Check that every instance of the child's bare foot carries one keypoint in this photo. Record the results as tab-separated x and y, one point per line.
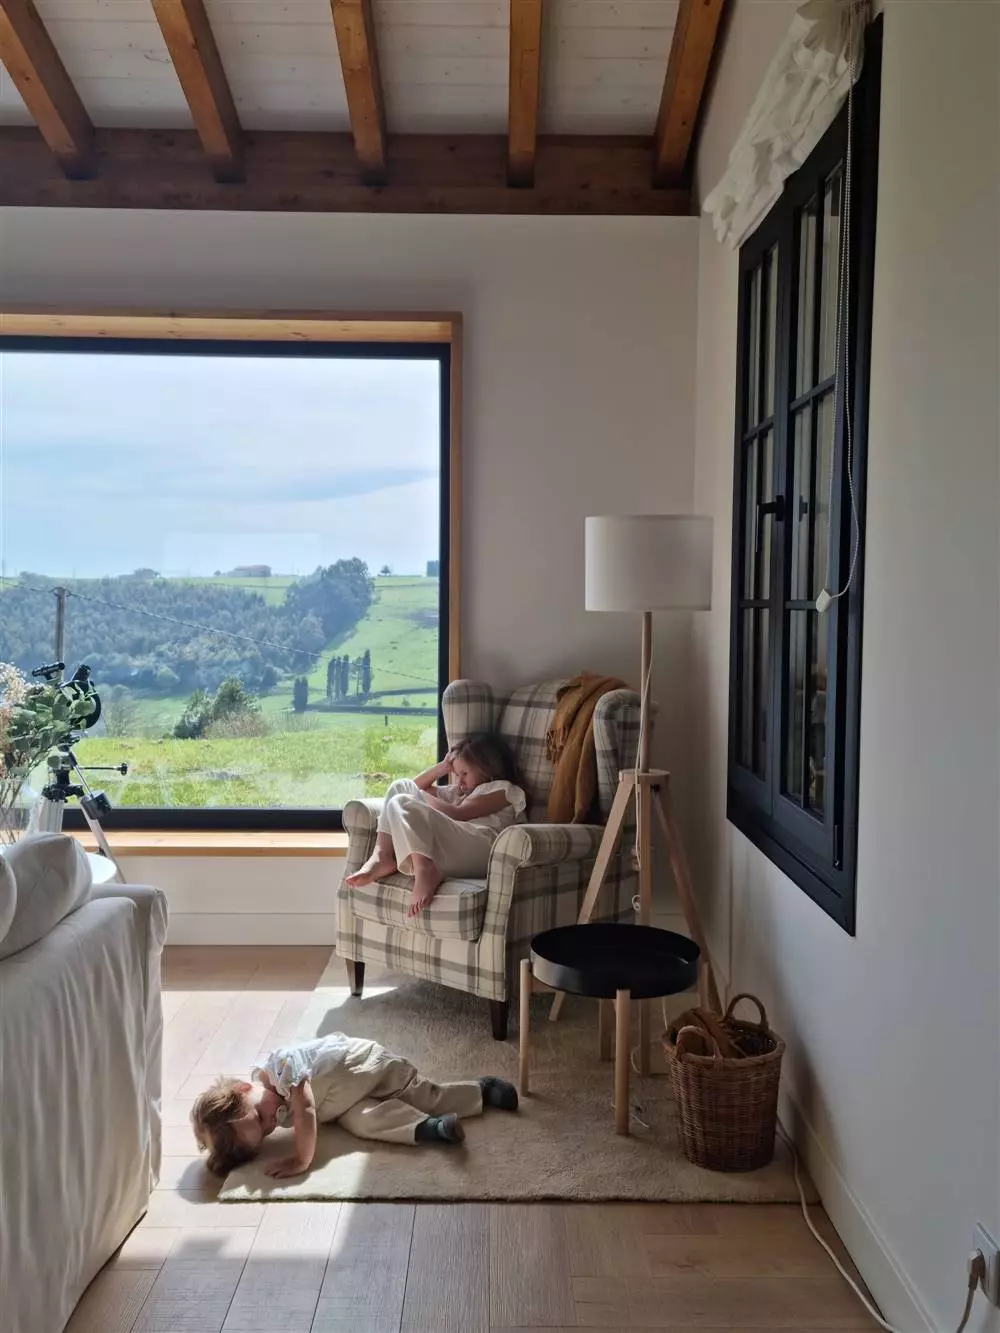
376	867
427	879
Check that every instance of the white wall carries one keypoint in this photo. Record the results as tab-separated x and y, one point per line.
894	1036
578	399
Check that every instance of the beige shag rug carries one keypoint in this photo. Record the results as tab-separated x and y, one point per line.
561	1144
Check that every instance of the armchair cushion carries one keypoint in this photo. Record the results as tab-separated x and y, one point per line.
456	912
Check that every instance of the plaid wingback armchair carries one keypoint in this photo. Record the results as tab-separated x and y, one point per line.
475	932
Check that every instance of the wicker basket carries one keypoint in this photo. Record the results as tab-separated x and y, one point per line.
728	1108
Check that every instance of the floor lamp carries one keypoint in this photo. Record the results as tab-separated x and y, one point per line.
647	563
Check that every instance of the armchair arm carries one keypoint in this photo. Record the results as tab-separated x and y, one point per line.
361	816
544	845
530	848
361	824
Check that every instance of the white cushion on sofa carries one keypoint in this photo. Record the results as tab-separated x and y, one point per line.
8	896
53	878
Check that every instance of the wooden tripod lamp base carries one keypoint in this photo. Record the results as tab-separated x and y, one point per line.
651	791
647	562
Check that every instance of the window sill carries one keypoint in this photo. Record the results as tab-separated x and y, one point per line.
202	842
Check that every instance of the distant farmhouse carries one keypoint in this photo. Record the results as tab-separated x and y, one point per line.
250	572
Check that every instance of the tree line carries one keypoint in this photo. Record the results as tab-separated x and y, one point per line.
167	636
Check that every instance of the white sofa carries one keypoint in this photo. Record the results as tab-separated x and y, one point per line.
81	1032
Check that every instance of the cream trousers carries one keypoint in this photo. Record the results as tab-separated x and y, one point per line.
414	826
402	1099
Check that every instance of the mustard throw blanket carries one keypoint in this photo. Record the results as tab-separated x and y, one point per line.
569	744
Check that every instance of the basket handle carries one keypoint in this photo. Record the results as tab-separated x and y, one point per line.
703	1035
762	1022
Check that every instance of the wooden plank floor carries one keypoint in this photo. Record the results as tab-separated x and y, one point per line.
194	1265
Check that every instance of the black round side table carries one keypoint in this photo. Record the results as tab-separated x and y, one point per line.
613	963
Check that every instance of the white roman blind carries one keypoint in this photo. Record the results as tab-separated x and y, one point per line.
802	92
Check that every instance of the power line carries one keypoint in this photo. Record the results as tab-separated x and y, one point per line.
203	629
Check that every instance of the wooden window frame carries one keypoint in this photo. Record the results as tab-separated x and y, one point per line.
819	855
362	334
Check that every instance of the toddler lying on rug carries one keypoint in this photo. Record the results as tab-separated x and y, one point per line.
371	1092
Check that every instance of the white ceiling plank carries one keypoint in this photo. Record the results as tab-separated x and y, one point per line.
409	39
276	38
95	11
603	110
119	65
567	74
443	13
430	109
289	106
274	12
437	40
73	35
153	104
445	71
612	43
615	13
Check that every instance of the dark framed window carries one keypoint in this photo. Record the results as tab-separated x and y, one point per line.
795	671
254	542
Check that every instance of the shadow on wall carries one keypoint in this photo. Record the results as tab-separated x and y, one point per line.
710	841
757	943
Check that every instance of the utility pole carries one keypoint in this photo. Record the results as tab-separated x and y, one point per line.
60	594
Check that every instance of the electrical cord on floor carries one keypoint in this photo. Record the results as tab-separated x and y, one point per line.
977	1262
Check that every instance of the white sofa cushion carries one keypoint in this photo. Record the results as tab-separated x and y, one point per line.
8	896
53	878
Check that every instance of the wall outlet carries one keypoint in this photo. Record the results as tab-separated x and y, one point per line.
990	1284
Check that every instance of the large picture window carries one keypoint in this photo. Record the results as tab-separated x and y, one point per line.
248	543
798	511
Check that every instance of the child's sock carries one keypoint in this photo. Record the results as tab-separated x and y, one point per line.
440	1129
497	1092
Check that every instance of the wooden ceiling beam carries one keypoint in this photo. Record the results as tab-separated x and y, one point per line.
319	173
191	43
525	77
355	29
684	87
39	75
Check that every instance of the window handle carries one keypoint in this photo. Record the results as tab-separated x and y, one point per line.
775	507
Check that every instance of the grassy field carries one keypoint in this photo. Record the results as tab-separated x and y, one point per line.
318	766
314	759
401	632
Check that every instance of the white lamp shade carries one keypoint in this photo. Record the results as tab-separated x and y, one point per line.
649	562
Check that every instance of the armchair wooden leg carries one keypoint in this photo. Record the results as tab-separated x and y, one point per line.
499	1011
356	976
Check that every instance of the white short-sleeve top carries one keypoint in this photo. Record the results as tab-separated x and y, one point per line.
512	812
343	1070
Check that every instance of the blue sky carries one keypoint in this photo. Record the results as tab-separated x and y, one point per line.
191	464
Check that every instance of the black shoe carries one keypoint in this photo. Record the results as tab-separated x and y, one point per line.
499	1093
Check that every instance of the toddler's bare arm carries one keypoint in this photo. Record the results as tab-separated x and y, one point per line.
304	1127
